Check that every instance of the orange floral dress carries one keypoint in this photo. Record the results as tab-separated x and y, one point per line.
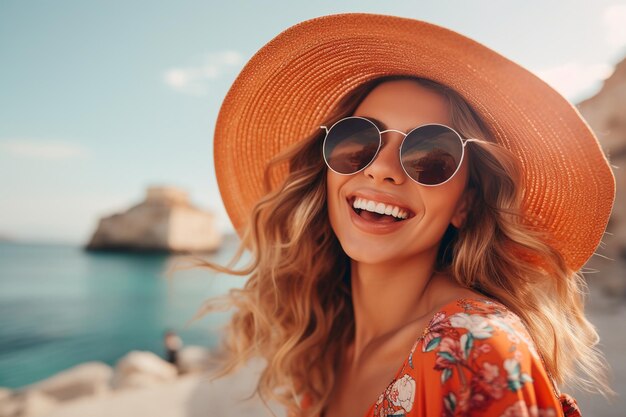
475	358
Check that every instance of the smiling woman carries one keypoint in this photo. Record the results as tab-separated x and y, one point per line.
428	269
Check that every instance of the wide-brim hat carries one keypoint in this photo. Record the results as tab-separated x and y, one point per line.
289	86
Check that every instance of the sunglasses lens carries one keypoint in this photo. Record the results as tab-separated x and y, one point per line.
350	145
431	154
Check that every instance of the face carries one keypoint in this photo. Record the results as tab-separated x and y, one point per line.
399	105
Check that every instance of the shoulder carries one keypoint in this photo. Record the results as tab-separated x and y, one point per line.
478	330
476	354
476	319
472	329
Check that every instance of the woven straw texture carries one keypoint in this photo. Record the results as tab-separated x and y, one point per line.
288	87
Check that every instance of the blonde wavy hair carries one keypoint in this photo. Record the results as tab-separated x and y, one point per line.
295	309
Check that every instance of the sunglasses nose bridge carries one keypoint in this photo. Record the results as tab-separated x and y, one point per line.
402	136
386	162
394	130
397	148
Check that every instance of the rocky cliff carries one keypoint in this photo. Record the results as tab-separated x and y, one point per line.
164	221
606	114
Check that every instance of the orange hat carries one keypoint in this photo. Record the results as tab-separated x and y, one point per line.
289	86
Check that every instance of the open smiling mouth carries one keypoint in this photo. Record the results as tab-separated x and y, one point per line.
376	217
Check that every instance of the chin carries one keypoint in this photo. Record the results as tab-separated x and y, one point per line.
367	253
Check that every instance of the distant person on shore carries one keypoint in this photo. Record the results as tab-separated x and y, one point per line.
173	344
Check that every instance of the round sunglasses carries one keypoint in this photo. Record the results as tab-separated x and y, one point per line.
430	154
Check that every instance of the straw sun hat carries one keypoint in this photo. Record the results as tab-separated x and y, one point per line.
289	86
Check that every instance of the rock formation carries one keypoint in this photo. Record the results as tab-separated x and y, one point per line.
89	379
606	114
164	221
142	368
6	238
90	382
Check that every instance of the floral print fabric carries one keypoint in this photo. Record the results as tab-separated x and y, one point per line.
474	358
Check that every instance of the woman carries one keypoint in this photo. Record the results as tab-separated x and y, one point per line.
412	203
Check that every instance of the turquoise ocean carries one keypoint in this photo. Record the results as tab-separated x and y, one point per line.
61	306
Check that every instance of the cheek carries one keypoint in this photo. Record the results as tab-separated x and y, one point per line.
445	198
333	185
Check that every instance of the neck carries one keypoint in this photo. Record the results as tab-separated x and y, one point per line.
387	297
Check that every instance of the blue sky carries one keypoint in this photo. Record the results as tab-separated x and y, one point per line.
99	100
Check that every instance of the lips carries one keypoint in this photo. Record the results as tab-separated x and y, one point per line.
373	227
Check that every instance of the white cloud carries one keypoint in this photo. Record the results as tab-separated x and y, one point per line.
43	149
615	22
573	79
194	79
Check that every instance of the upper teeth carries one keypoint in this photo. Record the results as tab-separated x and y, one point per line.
381	208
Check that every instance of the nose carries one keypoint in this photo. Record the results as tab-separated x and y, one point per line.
386	165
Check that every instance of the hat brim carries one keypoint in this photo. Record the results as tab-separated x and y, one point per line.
289	86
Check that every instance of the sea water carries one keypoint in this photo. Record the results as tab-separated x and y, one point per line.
61	306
